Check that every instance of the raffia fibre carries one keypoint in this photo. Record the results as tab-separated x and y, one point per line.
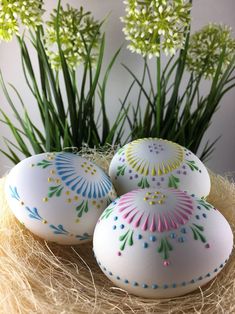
41	277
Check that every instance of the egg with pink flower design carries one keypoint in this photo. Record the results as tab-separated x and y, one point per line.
159	243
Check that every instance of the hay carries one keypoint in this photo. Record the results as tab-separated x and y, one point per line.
40	277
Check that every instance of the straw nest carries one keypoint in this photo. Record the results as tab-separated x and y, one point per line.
40	277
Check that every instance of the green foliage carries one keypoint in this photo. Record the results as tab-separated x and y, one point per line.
205	49
163	110
68	119
72	40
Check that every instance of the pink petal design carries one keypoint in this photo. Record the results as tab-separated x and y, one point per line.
127	198
186	210
156	220
121	209
137	223
124	203
160	226
185	200
189	207
179	192
179	219
182	214
128	213
153	224
132	217
165	220
172	222
145	225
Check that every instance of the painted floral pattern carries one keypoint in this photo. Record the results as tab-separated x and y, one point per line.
68	194
153	212
89	181
164	214
78	174
169	156
71	174
34	214
153	162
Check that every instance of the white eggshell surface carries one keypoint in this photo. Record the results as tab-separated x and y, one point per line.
159	243
153	162
58	196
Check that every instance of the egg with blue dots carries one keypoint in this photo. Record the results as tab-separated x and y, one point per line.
153	162
58	196
160	243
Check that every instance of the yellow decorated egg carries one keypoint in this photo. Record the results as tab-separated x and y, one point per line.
58	196
153	162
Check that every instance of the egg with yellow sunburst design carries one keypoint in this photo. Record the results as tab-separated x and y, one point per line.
58	196
153	162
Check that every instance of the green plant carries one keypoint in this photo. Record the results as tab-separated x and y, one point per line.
28	12
71	40
163	26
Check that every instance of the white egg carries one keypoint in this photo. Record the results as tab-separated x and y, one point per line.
152	162
58	196
160	243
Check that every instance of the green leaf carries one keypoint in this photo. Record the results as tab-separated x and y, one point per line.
140	85
173	182
16	135
102	94
71	96
12	156
55	191
164	248
82	208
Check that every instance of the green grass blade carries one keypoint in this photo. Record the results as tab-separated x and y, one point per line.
52	79
97	73
102	88
12	156
71	96
16	135
141	87
208	150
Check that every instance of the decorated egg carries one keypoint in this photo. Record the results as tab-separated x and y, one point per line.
153	162
58	196
159	243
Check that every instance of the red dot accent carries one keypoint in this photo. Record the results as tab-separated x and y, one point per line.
166	263
119	253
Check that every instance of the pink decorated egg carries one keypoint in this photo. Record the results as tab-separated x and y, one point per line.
160	243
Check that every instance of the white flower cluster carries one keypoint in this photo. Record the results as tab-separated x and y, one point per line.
78	32
206	47
28	12
155	25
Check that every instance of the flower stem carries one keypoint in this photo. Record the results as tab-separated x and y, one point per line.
158	100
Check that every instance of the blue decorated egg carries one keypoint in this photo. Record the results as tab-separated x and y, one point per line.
160	243
58	196
153	162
